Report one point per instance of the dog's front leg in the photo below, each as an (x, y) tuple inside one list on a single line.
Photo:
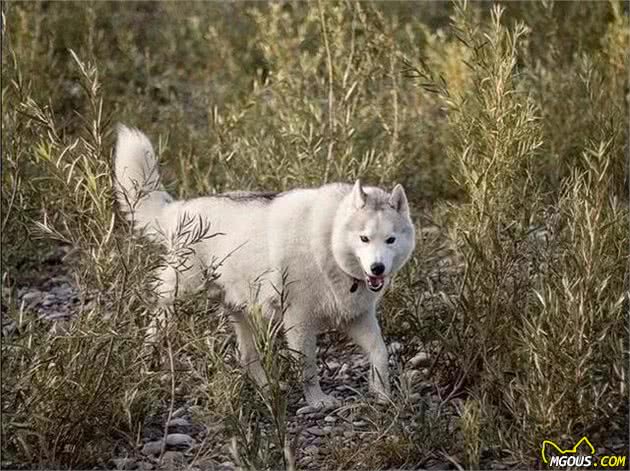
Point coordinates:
[(303, 345), (366, 333)]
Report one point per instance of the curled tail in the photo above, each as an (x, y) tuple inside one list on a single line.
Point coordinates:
[(137, 180)]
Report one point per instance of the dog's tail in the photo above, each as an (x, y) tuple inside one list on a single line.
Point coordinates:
[(137, 179)]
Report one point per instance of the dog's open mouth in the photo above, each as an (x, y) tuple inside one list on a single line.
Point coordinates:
[(375, 283)]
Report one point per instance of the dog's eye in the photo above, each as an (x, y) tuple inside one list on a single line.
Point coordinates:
[(391, 240), (364, 239)]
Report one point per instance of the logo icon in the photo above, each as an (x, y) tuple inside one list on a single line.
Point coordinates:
[(580, 460), (581, 455)]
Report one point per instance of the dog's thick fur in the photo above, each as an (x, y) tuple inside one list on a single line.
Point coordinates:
[(331, 250)]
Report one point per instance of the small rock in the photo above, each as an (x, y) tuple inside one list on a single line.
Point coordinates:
[(420, 360), (144, 466), (317, 441), (48, 300), (152, 448), (359, 423), (327, 429), (9, 329), (173, 460), (124, 463), (178, 422), (307, 410), (330, 419), (318, 432), (55, 315), (63, 292), (394, 348), (311, 450), (179, 440), (438, 465), (32, 298)]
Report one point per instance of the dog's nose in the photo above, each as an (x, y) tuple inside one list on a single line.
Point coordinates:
[(377, 268)]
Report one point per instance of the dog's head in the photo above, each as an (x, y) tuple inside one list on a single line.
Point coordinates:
[(373, 235)]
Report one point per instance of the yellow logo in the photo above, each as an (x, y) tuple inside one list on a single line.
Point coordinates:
[(548, 443), (585, 458)]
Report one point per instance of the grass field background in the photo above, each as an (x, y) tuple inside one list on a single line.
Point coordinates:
[(506, 123)]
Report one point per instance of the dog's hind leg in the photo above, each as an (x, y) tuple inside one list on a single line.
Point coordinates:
[(247, 347), (165, 289), (170, 284)]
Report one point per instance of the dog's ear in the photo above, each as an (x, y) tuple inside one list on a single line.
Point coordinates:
[(398, 200), (358, 195)]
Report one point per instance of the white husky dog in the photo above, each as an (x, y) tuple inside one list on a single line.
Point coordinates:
[(334, 248)]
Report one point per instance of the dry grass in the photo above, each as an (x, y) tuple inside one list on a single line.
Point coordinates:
[(511, 125)]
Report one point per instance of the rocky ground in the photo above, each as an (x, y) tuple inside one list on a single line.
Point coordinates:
[(315, 434), (351, 435)]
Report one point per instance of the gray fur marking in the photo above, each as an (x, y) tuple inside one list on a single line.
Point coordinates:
[(246, 196)]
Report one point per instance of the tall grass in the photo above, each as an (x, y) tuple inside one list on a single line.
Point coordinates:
[(508, 125), (539, 332)]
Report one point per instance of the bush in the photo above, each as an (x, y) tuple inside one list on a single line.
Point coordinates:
[(508, 127)]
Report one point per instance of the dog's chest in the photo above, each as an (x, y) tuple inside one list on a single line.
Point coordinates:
[(340, 307)]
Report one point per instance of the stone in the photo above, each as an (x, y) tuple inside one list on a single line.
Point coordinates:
[(330, 419), (179, 422), (179, 440), (124, 463), (307, 410), (49, 299), (318, 432), (394, 348), (173, 460), (32, 298), (56, 315), (420, 360), (438, 465), (9, 329), (311, 450), (152, 448)]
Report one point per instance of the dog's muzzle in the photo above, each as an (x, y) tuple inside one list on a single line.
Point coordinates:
[(375, 283)]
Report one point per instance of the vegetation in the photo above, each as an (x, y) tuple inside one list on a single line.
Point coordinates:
[(506, 124)]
